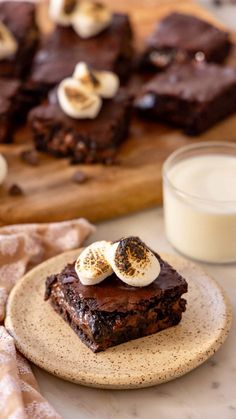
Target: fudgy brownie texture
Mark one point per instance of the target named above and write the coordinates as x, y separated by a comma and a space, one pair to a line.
112, 312
59, 53
194, 96
13, 107
19, 17
83, 140
179, 37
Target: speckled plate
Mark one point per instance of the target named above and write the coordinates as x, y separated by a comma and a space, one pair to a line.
45, 339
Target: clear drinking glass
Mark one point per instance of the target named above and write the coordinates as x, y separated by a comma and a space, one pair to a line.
199, 226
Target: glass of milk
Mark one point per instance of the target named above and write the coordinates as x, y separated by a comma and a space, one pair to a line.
199, 191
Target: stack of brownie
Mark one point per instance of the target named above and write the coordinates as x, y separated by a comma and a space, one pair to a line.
191, 89
19, 18
42, 62
86, 140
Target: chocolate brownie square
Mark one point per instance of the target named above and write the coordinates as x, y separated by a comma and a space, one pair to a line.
179, 37
19, 18
112, 312
194, 96
59, 53
83, 140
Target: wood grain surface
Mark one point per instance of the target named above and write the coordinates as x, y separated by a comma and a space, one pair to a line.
134, 183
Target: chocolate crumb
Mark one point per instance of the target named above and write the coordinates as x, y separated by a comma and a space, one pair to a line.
30, 157
80, 177
215, 385
15, 190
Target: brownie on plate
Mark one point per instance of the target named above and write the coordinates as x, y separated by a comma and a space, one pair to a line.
19, 18
83, 140
13, 107
59, 53
113, 312
194, 96
179, 37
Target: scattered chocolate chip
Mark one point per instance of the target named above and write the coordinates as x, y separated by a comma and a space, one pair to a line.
217, 2
30, 157
215, 385
15, 190
223, 2
79, 177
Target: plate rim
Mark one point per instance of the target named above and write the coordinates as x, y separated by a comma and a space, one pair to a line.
198, 360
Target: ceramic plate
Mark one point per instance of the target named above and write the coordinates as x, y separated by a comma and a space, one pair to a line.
46, 340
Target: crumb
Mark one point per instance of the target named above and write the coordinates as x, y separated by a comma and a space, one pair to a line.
215, 385
223, 2
30, 157
80, 177
15, 190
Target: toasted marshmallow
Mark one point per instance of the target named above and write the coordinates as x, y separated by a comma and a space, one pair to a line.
61, 11
76, 102
103, 83
133, 262
92, 266
91, 18
8, 44
3, 169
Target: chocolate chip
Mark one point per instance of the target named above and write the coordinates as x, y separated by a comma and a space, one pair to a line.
30, 157
80, 177
15, 190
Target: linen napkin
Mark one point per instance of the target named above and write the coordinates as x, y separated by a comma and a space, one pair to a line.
22, 247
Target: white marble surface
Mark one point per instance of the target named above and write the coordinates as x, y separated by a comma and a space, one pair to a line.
205, 393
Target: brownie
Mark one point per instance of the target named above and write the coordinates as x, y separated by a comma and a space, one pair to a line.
19, 17
83, 140
59, 53
13, 107
112, 312
194, 96
179, 37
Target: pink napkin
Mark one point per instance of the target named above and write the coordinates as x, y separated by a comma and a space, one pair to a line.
22, 247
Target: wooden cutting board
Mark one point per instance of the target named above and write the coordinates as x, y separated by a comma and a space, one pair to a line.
134, 183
